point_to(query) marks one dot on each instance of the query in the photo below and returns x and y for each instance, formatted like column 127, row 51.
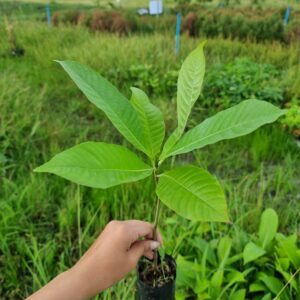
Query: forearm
column 65, row 286
column 112, row 256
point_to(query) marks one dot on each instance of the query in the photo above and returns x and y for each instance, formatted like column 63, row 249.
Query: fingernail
column 154, row 245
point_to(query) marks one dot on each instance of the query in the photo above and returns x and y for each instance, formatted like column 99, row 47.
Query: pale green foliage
column 97, row 165
column 273, row 284
column 289, row 248
column 233, row 122
column 268, row 227
column 235, row 267
column 267, row 232
column 106, row 97
column 224, row 248
column 252, row 252
column 189, row 86
column 190, row 191
column 152, row 122
column 193, row 193
column 238, row 295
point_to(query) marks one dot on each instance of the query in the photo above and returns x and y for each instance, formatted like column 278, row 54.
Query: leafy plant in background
column 226, row 84
column 230, row 83
column 260, row 266
column 147, row 78
column 291, row 120
column 237, row 23
column 190, row 191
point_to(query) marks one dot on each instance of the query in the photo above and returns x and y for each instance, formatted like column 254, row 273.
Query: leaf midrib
column 99, row 169
column 132, row 134
column 203, row 201
column 147, row 131
column 216, row 133
column 194, row 79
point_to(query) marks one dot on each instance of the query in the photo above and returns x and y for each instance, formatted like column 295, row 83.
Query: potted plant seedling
column 190, row 191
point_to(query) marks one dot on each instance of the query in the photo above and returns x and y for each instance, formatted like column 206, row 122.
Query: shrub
column 291, row 120
column 83, row 19
column 56, row 18
column 190, row 24
column 242, row 265
column 119, row 24
column 226, row 85
column 231, row 83
column 239, row 25
column 71, row 17
column 97, row 22
column 293, row 31
column 243, row 24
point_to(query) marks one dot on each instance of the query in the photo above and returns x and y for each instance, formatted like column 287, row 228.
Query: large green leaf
column 152, row 121
column 189, row 86
column 97, row 165
column 107, row 97
column 193, row 193
column 268, row 227
column 236, row 121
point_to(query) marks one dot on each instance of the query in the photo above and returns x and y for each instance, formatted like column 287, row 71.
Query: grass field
column 47, row 222
column 29, row 9
column 144, row 3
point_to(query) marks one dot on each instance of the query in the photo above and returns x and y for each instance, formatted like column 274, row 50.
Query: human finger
column 141, row 248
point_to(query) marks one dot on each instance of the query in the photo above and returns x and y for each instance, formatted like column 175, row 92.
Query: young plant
column 190, row 191
column 239, row 266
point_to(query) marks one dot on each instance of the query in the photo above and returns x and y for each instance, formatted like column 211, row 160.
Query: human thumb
column 145, row 248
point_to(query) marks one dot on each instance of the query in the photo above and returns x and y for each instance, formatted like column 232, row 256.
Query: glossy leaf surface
column 193, row 193
column 236, row 121
column 107, row 97
column 189, row 86
column 152, row 121
column 97, row 165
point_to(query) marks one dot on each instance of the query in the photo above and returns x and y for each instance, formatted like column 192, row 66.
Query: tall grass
column 42, row 113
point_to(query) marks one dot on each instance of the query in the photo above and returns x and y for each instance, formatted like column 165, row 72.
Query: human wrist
column 71, row 286
column 90, row 280
column 66, row 285
column 78, row 282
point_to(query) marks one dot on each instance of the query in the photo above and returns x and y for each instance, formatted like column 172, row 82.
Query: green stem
column 156, row 219
column 155, row 259
column 157, row 211
column 78, row 221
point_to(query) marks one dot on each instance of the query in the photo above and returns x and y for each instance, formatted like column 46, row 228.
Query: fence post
column 178, row 23
column 287, row 15
column 48, row 13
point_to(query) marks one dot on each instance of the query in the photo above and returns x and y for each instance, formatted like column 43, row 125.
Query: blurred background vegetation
column 47, row 222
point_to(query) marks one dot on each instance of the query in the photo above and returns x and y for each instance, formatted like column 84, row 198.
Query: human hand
column 112, row 256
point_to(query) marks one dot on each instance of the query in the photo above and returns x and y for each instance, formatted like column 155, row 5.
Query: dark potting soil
column 157, row 277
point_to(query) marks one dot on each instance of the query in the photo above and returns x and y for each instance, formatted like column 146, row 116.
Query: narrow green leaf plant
column 190, row 191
